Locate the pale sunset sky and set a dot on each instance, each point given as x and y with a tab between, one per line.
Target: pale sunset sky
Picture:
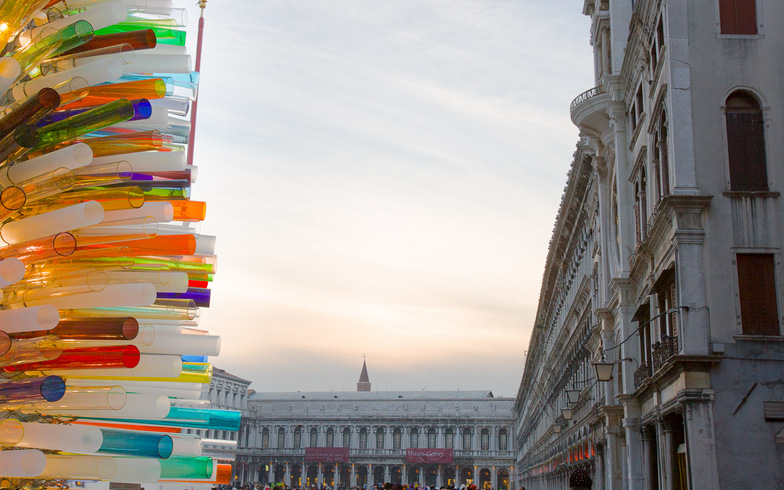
383	179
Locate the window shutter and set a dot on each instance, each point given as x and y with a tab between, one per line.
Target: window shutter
757	289
738	17
746	151
727	17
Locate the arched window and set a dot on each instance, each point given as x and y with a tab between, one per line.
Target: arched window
502	444
281	438
265	438
363	438
330	438
379	438
485	439
466	439
431	438
297	437
313	437
346	437
414	438
746	143
396	439
449	438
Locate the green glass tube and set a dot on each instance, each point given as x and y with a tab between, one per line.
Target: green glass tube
68	37
181	467
163	34
136	443
86	122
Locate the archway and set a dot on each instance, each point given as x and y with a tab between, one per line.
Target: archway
431	475
312	475
263	476
362	475
449	476
345	476
280	473
467	476
396	475
296	473
379	475
413	475
485	479
329	474
503	479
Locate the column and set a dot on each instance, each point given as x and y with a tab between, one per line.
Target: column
634	455
665	454
606	68
405	474
320	476
440	476
286	474
493	476
701	444
353	480
647	484
598	475
614	461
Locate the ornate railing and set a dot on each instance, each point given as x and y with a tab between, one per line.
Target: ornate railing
585	96
641	374
663	351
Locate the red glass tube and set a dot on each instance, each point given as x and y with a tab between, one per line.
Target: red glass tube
86	358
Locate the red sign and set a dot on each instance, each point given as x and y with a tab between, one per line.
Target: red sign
434	456
326	455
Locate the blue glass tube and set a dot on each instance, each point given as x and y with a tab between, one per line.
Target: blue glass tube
136	443
196	418
199	359
200	296
33	390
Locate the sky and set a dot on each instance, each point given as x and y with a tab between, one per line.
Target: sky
383	179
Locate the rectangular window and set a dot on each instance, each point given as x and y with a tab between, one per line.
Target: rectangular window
297	439
363	439
738	17
466	440
379	440
449	439
757	289
396	440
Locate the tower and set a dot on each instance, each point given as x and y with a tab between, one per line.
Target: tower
364	381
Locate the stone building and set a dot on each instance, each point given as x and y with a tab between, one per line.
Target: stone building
366	437
665	261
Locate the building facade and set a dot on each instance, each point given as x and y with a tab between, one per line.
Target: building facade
665	262
354	438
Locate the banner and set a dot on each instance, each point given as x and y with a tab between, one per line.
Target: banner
428	456
326	455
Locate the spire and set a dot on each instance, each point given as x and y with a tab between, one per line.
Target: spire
364	380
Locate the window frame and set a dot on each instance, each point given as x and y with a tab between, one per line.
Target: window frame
736	35
776	263
729	162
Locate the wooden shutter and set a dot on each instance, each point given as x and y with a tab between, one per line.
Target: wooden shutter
746	151
738	17
757	288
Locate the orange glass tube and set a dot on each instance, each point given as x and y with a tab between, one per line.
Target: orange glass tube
162	245
42	249
150	88
109	328
112	198
125	143
141	39
86	358
189	210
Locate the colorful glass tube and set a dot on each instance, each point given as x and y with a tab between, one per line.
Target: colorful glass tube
138	444
16	15
125	143
78	467
147	366
93	73
26	351
80	400
184	467
189	210
30	111
86	358
33	390
141	39
108	328
98	16
199	296
86	122
151	88
66	38
163	34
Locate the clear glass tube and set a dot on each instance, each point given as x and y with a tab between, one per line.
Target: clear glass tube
61	437
79	400
22	463
78	467
26	351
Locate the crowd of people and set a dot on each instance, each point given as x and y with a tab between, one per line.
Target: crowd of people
379	486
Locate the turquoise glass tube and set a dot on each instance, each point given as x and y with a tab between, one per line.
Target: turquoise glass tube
136	443
180	467
99	117
195	418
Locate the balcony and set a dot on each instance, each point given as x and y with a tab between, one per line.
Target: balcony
660	353
589	111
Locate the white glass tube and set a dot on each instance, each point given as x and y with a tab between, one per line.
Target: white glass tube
61	437
9	72
137	470
11	270
52	222
99	16
24	463
150	366
94	73
81	399
188	345
30	319
79	467
186	445
194	172
205	245
70	157
150	161
164	281
158	63
113	296
159	211
138	406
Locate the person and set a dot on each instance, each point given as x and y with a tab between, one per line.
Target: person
580	480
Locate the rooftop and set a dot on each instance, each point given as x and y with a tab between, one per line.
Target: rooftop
375	395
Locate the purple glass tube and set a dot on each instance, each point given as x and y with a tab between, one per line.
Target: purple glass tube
33	390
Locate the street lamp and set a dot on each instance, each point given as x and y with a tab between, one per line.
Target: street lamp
567	413
604	370
556	428
572	396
